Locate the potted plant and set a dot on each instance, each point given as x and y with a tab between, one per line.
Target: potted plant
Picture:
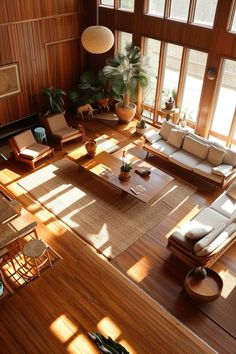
125	168
126	73
141	127
55	100
107	345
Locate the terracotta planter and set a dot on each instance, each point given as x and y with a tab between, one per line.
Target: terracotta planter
90	146
170	103
140	131
124	176
125	114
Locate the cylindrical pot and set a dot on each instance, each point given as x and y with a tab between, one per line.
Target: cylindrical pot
124	176
140	131
170	103
125	114
90	146
1	288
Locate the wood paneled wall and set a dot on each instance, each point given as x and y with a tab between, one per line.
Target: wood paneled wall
43	37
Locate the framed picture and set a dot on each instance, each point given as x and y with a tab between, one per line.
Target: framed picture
9	80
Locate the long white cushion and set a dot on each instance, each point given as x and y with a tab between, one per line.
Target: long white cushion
65	132
195	147
163	148
34	151
221	238
224	205
215	155
152	136
197	230
185	159
204	168
205	241
222	170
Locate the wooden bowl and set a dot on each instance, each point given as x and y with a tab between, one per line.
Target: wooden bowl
207	289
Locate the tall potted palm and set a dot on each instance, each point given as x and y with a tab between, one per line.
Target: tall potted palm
126	74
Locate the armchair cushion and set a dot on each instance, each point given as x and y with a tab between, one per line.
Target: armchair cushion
34	151
56	122
24	140
65	132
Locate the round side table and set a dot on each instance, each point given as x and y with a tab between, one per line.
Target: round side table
40	135
35	249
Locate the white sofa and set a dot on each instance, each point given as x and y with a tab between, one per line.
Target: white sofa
197	155
219	223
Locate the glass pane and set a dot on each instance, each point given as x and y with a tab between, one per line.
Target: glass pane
156	7
152	53
127	5
193	83
107	2
171	75
124	39
179	10
205	12
226	102
233	28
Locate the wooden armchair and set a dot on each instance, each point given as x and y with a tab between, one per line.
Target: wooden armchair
26	149
58	128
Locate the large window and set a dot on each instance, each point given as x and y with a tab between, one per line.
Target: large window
205	12
127	5
171	72
155	7
196	65
224	116
152	53
107	2
123	39
179	10
233	27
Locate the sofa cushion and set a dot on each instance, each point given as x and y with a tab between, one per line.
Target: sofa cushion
195	147
215	156
218	241
178	237
224	205
210	217
152	136
176	137
23	140
185	159
65	132
165	129
200	138
197	230
34	151
205	241
222	170
231	191
229	157
163	148
204	168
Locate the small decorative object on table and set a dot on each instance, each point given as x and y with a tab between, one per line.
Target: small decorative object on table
203	284
90	146
143	172
141	127
125	168
107	345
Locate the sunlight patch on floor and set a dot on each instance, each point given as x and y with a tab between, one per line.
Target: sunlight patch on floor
101	237
139	270
127	346
229	281
63	328
81	345
109	328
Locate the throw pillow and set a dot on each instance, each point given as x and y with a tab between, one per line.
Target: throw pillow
165	129
215	156
176	137
231	191
152	136
195	147
205	241
230	157
197	232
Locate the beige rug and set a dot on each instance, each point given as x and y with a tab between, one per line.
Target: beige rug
96	211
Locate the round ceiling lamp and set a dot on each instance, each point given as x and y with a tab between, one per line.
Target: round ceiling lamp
97	39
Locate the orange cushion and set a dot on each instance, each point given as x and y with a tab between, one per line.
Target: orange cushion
34	151
57	122
66	132
24	140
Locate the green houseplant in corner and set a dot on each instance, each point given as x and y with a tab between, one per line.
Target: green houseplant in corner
55	100
126	73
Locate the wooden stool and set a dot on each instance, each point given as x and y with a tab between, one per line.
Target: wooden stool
35	249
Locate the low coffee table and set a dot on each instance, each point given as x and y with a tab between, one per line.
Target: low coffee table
107	167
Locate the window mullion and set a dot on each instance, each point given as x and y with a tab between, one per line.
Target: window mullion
160	79
182	77
232	130
191	12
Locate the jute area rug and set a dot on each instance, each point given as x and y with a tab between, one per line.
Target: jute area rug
96	211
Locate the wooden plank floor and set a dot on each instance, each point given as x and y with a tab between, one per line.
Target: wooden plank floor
84	292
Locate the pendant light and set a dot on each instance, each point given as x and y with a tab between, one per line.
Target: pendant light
97	39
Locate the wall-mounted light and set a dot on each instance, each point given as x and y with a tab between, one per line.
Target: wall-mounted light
211	73
97	39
